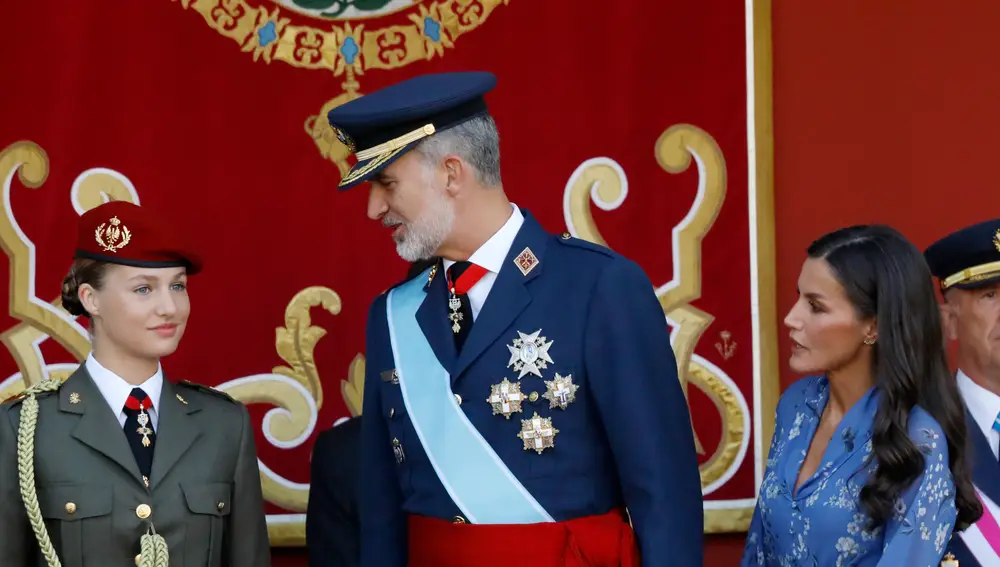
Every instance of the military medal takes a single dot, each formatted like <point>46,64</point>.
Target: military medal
<point>506,398</point>
<point>143,430</point>
<point>467,278</point>
<point>397,451</point>
<point>561,391</point>
<point>537,433</point>
<point>529,354</point>
<point>454,304</point>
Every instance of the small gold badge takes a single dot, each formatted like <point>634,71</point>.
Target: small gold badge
<point>996,240</point>
<point>561,391</point>
<point>526,261</point>
<point>431,274</point>
<point>537,433</point>
<point>181,400</point>
<point>74,398</point>
<point>145,480</point>
<point>112,238</point>
<point>949,560</point>
<point>345,139</point>
<point>506,398</point>
<point>529,354</point>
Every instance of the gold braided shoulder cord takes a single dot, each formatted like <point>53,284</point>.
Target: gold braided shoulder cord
<point>26,467</point>
<point>154,547</point>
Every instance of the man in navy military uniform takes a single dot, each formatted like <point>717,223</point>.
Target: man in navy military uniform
<point>521,394</point>
<point>967,264</point>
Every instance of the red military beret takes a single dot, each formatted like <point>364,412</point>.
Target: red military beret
<point>120,232</point>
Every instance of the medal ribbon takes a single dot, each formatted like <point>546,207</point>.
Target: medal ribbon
<point>133,404</point>
<point>466,279</point>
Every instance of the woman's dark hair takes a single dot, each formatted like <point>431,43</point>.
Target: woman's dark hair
<point>886,278</point>
<point>82,271</point>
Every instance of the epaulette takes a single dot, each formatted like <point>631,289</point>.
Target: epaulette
<point>570,240</point>
<point>416,274</point>
<point>208,390</point>
<point>12,400</point>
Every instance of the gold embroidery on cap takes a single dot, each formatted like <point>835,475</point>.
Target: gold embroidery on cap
<point>996,240</point>
<point>112,238</point>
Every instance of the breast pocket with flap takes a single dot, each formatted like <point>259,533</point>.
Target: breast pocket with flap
<point>78,519</point>
<point>209,504</point>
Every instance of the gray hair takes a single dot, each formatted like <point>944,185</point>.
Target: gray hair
<point>476,141</point>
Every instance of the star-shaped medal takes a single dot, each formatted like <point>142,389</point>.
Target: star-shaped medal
<point>560,392</point>
<point>529,354</point>
<point>506,398</point>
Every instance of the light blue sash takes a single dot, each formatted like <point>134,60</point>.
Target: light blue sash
<point>477,480</point>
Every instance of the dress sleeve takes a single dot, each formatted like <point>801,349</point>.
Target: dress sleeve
<point>925,513</point>
<point>755,550</point>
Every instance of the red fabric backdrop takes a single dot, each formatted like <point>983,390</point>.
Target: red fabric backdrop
<point>220,133</point>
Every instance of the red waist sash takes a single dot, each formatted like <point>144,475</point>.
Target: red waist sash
<point>593,541</point>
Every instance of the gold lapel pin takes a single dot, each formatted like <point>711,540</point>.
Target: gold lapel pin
<point>182,400</point>
<point>74,398</point>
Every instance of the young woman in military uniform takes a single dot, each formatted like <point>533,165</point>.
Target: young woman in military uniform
<point>118,466</point>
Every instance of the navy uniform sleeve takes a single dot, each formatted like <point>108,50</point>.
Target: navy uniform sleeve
<point>331,525</point>
<point>383,523</point>
<point>633,375</point>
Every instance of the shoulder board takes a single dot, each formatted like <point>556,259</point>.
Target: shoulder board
<point>13,400</point>
<point>570,240</point>
<point>416,274</point>
<point>17,398</point>
<point>207,390</point>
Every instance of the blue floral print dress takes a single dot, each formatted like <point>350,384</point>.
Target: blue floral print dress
<point>822,524</point>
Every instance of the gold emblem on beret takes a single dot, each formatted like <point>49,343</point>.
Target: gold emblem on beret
<point>996,239</point>
<point>112,238</point>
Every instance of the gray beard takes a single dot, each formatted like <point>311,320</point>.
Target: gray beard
<point>425,235</point>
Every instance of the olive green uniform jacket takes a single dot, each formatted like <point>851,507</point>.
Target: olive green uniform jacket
<point>204,495</point>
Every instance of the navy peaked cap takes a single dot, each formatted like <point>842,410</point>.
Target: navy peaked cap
<point>381,126</point>
<point>968,258</point>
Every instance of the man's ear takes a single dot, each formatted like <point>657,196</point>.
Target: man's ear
<point>456,174</point>
<point>949,317</point>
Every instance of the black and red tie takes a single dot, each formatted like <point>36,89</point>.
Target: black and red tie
<point>139,430</point>
<point>462,276</point>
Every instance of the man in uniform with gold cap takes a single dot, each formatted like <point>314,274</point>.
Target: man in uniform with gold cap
<point>967,265</point>
<point>521,394</point>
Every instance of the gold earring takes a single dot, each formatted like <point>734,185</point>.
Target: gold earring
<point>870,341</point>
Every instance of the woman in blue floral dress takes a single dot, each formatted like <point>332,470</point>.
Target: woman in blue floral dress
<point>867,463</point>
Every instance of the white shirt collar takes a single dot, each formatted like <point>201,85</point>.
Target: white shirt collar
<point>493,252</point>
<point>983,404</point>
<point>116,390</point>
